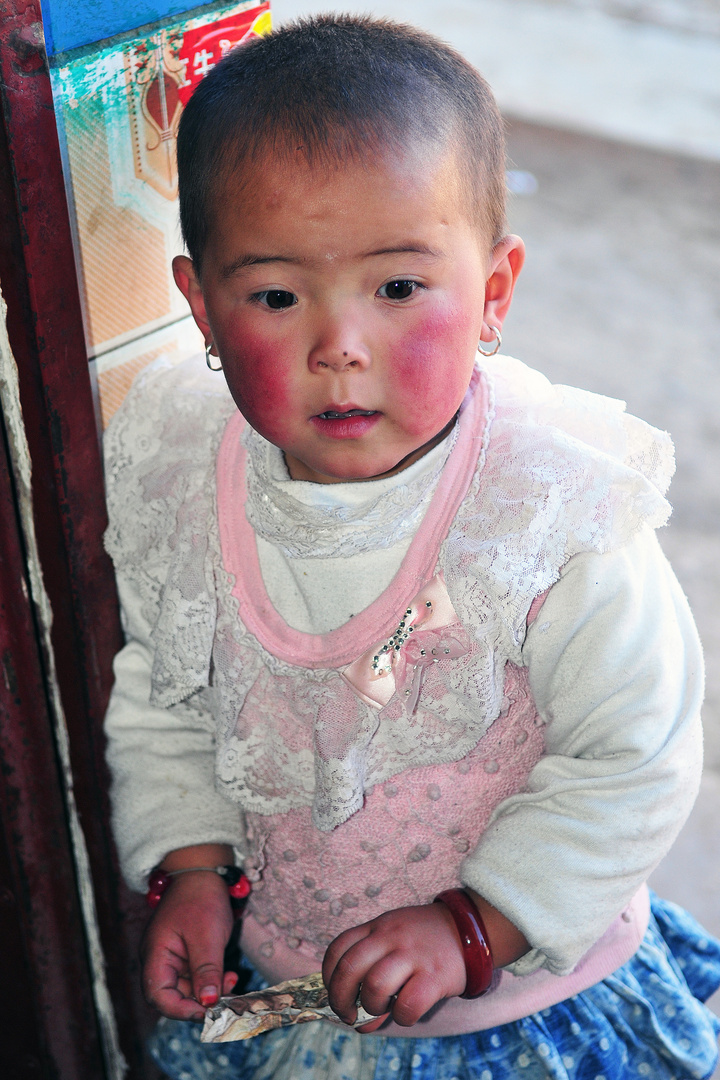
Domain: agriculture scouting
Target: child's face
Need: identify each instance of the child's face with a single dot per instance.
(346, 308)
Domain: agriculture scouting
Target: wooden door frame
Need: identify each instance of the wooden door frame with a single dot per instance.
(44, 322)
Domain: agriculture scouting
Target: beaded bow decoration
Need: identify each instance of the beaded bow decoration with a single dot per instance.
(383, 660)
(428, 632)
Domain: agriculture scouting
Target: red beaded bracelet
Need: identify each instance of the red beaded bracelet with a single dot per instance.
(473, 938)
(238, 885)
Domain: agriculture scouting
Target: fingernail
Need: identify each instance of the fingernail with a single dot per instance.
(208, 995)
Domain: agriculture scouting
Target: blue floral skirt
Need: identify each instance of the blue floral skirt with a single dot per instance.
(645, 1020)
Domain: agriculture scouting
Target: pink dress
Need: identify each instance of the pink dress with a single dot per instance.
(377, 764)
(407, 661)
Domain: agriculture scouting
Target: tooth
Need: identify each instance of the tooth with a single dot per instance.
(331, 414)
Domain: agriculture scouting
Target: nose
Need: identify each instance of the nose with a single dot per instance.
(339, 346)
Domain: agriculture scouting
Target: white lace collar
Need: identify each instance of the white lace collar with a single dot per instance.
(306, 520)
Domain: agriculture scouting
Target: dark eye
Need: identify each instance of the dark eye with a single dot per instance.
(398, 290)
(277, 299)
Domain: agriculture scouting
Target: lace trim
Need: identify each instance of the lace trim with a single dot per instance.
(160, 450)
(340, 646)
(565, 472)
(303, 531)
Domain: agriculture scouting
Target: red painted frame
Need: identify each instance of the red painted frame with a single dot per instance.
(41, 931)
(39, 284)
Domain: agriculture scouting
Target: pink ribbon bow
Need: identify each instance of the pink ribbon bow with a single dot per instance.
(428, 632)
(424, 648)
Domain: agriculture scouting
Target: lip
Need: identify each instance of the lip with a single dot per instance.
(344, 426)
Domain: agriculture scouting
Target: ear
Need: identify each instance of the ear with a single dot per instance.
(506, 262)
(188, 283)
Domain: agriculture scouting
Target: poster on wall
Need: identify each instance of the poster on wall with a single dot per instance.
(118, 107)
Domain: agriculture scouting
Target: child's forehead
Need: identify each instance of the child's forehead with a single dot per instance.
(422, 173)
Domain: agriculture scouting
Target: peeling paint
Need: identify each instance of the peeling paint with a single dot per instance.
(115, 1063)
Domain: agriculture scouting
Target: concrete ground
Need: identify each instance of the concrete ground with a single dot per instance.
(621, 295)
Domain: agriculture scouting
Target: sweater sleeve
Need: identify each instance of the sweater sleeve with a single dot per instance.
(162, 761)
(615, 668)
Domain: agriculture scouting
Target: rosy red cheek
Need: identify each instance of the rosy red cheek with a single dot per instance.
(259, 378)
(432, 370)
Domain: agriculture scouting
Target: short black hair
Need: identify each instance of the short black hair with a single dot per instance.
(338, 88)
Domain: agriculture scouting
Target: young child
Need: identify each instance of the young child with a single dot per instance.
(398, 623)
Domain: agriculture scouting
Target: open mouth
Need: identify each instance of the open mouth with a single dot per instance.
(349, 423)
(331, 414)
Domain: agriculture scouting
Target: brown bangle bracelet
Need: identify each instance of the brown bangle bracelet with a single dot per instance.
(473, 938)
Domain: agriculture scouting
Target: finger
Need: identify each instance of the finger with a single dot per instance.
(206, 963)
(384, 981)
(170, 993)
(230, 979)
(165, 962)
(163, 970)
(350, 972)
(417, 996)
(337, 948)
(372, 1025)
(172, 1004)
(207, 978)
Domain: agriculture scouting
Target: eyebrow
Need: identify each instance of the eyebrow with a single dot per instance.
(405, 249)
(244, 261)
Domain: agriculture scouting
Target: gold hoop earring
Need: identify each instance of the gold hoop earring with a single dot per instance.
(208, 358)
(498, 343)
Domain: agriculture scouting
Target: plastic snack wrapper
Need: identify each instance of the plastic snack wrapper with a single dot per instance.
(296, 1001)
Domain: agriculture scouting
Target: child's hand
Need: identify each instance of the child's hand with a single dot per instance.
(183, 947)
(405, 961)
(408, 959)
